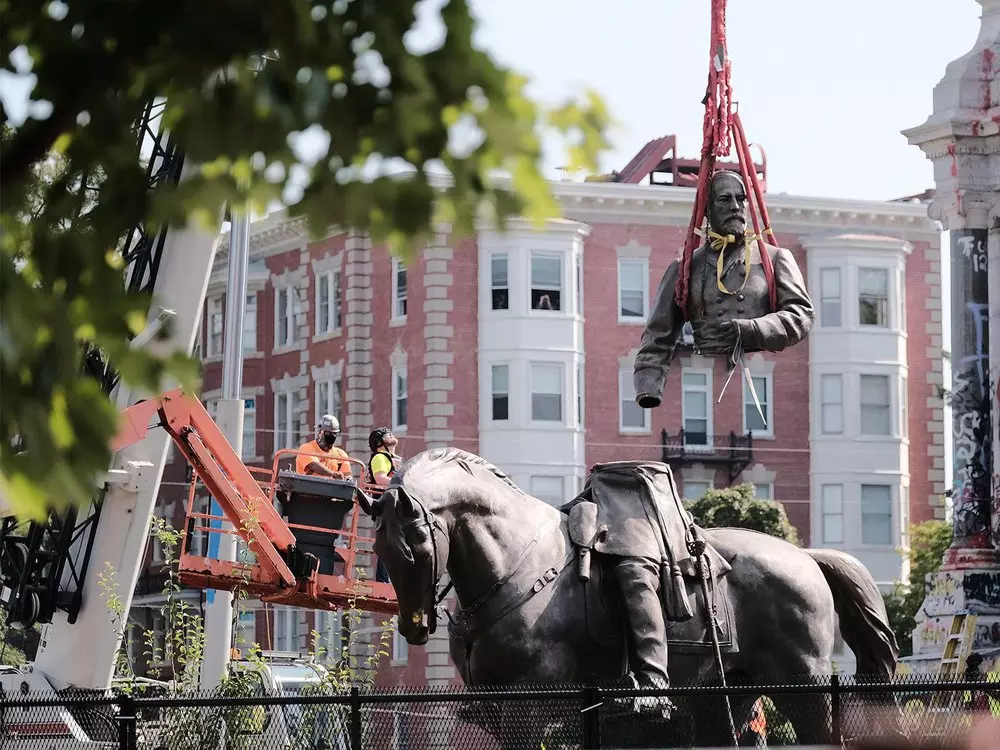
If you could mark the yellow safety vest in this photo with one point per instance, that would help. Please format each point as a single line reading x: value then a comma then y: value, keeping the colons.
x: 993, y: 703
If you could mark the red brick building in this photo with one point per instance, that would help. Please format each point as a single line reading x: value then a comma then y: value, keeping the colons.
x: 519, y: 347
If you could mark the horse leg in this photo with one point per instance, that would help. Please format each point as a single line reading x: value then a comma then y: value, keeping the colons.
x: 811, y: 717
x: 709, y: 717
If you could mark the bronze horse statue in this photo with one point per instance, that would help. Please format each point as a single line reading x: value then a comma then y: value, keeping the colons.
x: 450, y: 511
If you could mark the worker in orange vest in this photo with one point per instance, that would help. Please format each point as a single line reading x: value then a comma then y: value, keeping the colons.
x: 321, y: 456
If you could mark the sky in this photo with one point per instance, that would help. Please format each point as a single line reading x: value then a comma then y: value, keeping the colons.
x: 824, y: 87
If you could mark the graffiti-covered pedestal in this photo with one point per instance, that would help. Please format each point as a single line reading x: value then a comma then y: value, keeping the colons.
x: 962, y: 139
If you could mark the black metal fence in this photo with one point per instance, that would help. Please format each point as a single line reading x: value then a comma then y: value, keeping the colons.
x: 808, y: 713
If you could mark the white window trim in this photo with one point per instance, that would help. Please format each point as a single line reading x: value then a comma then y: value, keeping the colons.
x: 770, y: 485
x: 334, y: 385
x: 255, y: 350
x: 822, y: 404
x: 400, y: 648
x: 823, y: 514
x: 581, y: 405
x: 578, y: 283
x: 892, y: 385
x: 400, y: 429
x: 563, y: 301
x: 252, y: 456
x: 210, y: 351
x: 493, y: 393
x: 768, y: 432
x: 840, y: 298
x: 397, y: 266
x: 291, y: 308
x: 562, y: 395
x: 710, y: 403
x: 624, y: 383
x: 629, y: 320
x: 491, y: 288
x: 290, y: 422
x: 327, y: 329
x: 893, y: 514
x: 891, y: 315
x: 562, y: 482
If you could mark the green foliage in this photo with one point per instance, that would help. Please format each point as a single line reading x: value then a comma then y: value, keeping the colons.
x: 736, y: 507
x: 342, y: 71
x: 10, y: 653
x: 928, y: 542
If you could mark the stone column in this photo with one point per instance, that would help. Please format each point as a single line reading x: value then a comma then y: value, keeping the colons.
x: 962, y: 139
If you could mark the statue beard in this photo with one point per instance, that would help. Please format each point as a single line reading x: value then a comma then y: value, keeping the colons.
x: 734, y: 225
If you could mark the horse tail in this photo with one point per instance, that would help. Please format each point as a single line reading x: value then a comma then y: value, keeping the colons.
x: 863, y: 619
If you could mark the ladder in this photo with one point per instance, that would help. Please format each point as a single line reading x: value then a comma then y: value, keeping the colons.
x: 958, y: 645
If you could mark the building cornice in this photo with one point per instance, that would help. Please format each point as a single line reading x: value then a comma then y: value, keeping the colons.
x: 850, y: 241
x: 587, y: 203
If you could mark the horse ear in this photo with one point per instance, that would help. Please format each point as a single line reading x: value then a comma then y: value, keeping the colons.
x: 404, y: 506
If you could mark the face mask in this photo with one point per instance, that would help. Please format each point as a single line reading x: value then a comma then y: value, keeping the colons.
x: 327, y: 439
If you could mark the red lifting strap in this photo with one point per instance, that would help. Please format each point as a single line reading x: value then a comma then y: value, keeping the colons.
x: 722, y: 122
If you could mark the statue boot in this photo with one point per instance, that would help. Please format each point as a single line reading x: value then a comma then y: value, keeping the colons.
x: 639, y: 580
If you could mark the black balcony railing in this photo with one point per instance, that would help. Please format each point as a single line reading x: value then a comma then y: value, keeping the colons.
x: 685, y: 448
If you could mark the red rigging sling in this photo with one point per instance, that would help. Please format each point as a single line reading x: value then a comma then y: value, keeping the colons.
x: 723, y: 128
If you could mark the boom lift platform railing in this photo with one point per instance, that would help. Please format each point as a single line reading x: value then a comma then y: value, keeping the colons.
x: 307, y: 561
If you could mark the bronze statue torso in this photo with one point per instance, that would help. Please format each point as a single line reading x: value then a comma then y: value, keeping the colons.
x: 710, y: 306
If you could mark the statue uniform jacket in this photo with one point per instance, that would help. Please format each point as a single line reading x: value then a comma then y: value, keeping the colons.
x: 766, y: 330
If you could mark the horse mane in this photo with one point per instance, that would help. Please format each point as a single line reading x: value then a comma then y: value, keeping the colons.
x: 464, y: 460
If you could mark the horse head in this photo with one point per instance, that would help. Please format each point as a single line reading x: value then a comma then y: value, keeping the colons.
x: 413, y: 544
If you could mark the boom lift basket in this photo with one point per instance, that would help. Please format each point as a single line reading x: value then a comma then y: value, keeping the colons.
x: 301, y: 544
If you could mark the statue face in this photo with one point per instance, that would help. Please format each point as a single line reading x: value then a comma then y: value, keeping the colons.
x: 727, y: 206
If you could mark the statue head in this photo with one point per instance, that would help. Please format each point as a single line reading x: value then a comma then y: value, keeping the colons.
x: 727, y: 204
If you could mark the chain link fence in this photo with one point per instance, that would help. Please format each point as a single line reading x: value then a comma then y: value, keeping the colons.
x: 812, y: 712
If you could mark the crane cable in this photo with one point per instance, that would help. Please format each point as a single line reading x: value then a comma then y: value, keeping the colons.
x: 722, y: 128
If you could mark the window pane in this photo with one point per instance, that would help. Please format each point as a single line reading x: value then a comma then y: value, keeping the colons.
x: 630, y: 275
x: 829, y: 312
x: 323, y: 303
x: 833, y: 419
x: 694, y: 490
x: 546, y: 379
x: 548, y: 489
x: 832, y: 387
x: 632, y: 417
x: 753, y: 419
x: 833, y: 529
x: 498, y: 271
x: 874, y: 282
x: 876, y: 514
x: 763, y: 491
x: 633, y: 304
x: 546, y: 272
x: 873, y: 294
x: 250, y: 324
x: 501, y: 375
x: 695, y: 405
x: 696, y: 432
x: 501, y: 408
x: 695, y: 379
x: 829, y: 279
x: 249, y: 433
x: 546, y: 408
x: 832, y: 514
x: 875, y: 389
x: 322, y: 398
x: 875, y: 415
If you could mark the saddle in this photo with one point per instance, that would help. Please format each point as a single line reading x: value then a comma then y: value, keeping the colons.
x: 631, y: 509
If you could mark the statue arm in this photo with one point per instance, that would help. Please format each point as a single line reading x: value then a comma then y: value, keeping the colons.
x: 657, y: 343
x: 792, y: 321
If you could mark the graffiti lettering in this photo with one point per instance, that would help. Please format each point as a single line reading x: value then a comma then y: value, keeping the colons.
x: 982, y: 590
x: 975, y: 252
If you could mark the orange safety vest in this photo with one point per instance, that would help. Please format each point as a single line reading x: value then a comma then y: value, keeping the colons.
x: 332, y: 459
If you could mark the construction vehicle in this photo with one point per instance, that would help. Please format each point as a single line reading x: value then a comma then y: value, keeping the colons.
x: 50, y: 572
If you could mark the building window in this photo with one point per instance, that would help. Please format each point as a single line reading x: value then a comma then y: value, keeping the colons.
x: 832, y: 404
x: 400, y: 418
x: 284, y: 421
x: 696, y: 407
x: 328, y: 397
x: 286, y: 305
x: 764, y: 491
x: 631, y: 418
x: 579, y: 395
x: 752, y: 421
x: 288, y: 627
x: 546, y: 282
x: 875, y: 414
x: 400, y: 648
x: 500, y: 390
x: 328, y: 302
x: 197, y: 545
x: 250, y: 324
x: 546, y: 392
x: 246, y: 629
x: 548, y: 489
x: 398, y: 289
x: 499, y: 281
x: 694, y: 490
x: 214, y: 341
x: 578, y: 286
x: 876, y: 514
x: 633, y: 285
x: 830, y: 298
x: 873, y: 297
x: 904, y: 409
x: 249, y: 428
x: 832, y: 521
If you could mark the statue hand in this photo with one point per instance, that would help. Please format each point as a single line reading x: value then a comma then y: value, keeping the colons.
x: 729, y: 332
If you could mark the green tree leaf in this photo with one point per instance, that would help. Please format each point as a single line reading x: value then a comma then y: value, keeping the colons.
x: 736, y: 507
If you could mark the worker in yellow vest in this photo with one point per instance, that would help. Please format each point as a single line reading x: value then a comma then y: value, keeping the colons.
x: 986, y: 699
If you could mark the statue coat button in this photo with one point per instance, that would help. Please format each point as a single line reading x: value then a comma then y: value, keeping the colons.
x: 740, y: 298
x: 739, y: 309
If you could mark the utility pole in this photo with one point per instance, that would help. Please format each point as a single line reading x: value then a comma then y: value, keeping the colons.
x: 962, y: 139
